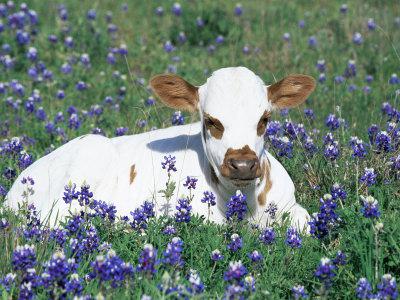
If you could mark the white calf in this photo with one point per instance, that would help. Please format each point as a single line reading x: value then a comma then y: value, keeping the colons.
x: 224, y: 151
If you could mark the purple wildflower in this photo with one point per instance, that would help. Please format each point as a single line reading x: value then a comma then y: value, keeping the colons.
x: 293, y: 238
x: 183, y: 211
x: 236, y: 207
x: 148, y: 260
x: 236, y: 243
x: 216, y: 255
x: 370, y: 207
x: 267, y: 237
x: 369, y: 177
x: 172, y: 255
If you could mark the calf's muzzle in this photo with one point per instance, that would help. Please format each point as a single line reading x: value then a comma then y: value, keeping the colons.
x: 241, y: 164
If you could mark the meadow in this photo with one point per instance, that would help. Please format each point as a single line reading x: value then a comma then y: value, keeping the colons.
x: 77, y: 67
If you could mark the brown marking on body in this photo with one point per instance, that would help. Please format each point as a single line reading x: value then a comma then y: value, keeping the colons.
x: 291, y: 90
x: 262, y: 197
x: 262, y: 124
x: 214, y: 177
x: 243, y: 153
x: 175, y: 92
x: 132, y: 174
x: 214, y: 126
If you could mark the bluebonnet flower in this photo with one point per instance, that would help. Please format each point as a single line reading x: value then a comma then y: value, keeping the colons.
x: 383, y: 141
x: 369, y: 177
x: 209, y: 198
x: 24, y: 257
x: 236, y: 271
x: 26, y: 291
x: 339, y: 79
x: 363, y: 289
x: 91, y: 14
x: 325, y: 271
x: 176, y: 9
x: 219, y: 39
x: 299, y: 292
x: 371, y: 24
x: 9, y: 173
x: 159, y: 11
x: 312, y: 41
x: 238, y: 11
x: 81, y: 86
x: 338, y: 192
x: 56, y: 271
x: 394, y: 79
x: 394, y: 165
x: 372, y: 132
x: 332, y: 122
x: 141, y: 215
x: 321, y: 67
x: 24, y: 160
x: 309, y: 146
x: 111, y: 268
x: 283, y: 145
x: 301, y: 24
x: 267, y: 236
x: 190, y: 183
x: 74, y: 285
x: 169, y: 163
x: 148, y: 260
x: 286, y: 36
x: 216, y: 255
x: 69, y: 42
x: 197, y: 286
x: 236, y: 243
x: 332, y: 151
x: 4, y: 224
x: 340, y: 259
x: 141, y: 123
x: 66, y: 68
x: 357, y: 38
x: 172, y: 255
x: 358, y: 146
x: 322, y: 223
x: 255, y: 256
x: 150, y: 101
x: 177, y: 118
x: 74, y: 122
x: 273, y: 128
x: 343, y: 8
x: 32, y: 228
x: 236, y: 207
x: 250, y: 283
x: 284, y: 112
x: 351, y: 70
x: 8, y: 281
x: 183, y: 211
x: 120, y: 131
x: 103, y: 210
x: 85, y: 195
x: 271, y: 210
x: 370, y: 207
x: 169, y: 230
x: 199, y: 22
x: 59, y: 235
x: 309, y: 113
x: 32, y: 54
x: 74, y: 224
x: 70, y: 193
x: 41, y: 114
x: 293, y: 238
x: 387, y: 288
x: 168, y: 47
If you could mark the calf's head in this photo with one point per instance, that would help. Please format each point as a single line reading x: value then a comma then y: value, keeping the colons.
x: 235, y: 106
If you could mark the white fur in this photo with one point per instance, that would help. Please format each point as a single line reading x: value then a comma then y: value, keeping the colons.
x: 235, y: 96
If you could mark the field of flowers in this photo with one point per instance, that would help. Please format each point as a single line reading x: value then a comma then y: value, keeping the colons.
x: 67, y: 69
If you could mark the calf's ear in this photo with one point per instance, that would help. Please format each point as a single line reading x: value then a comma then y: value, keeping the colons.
x: 175, y: 92
x: 290, y: 91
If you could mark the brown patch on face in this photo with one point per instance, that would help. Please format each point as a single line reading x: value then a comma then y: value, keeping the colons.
x: 214, y: 126
x: 132, y: 174
x: 242, y: 154
x: 262, y: 197
x: 214, y: 177
x: 175, y: 92
x: 262, y: 124
x: 291, y: 90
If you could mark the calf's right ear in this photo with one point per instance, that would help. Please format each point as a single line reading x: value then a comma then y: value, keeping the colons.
x: 175, y: 92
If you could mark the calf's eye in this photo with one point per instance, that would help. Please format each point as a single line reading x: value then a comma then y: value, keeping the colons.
x: 214, y: 126
x: 262, y: 124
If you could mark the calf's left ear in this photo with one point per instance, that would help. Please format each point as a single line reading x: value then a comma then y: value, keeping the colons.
x: 175, y: 92
x: 290, y: 91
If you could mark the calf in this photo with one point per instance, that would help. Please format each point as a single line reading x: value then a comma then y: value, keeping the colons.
x: 224, y: 151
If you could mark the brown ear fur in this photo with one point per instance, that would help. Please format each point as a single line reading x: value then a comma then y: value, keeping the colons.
x: 291, y: 90
x: 175, y: 92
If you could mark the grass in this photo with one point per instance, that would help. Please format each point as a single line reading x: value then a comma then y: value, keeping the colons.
x: 370, y: 253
